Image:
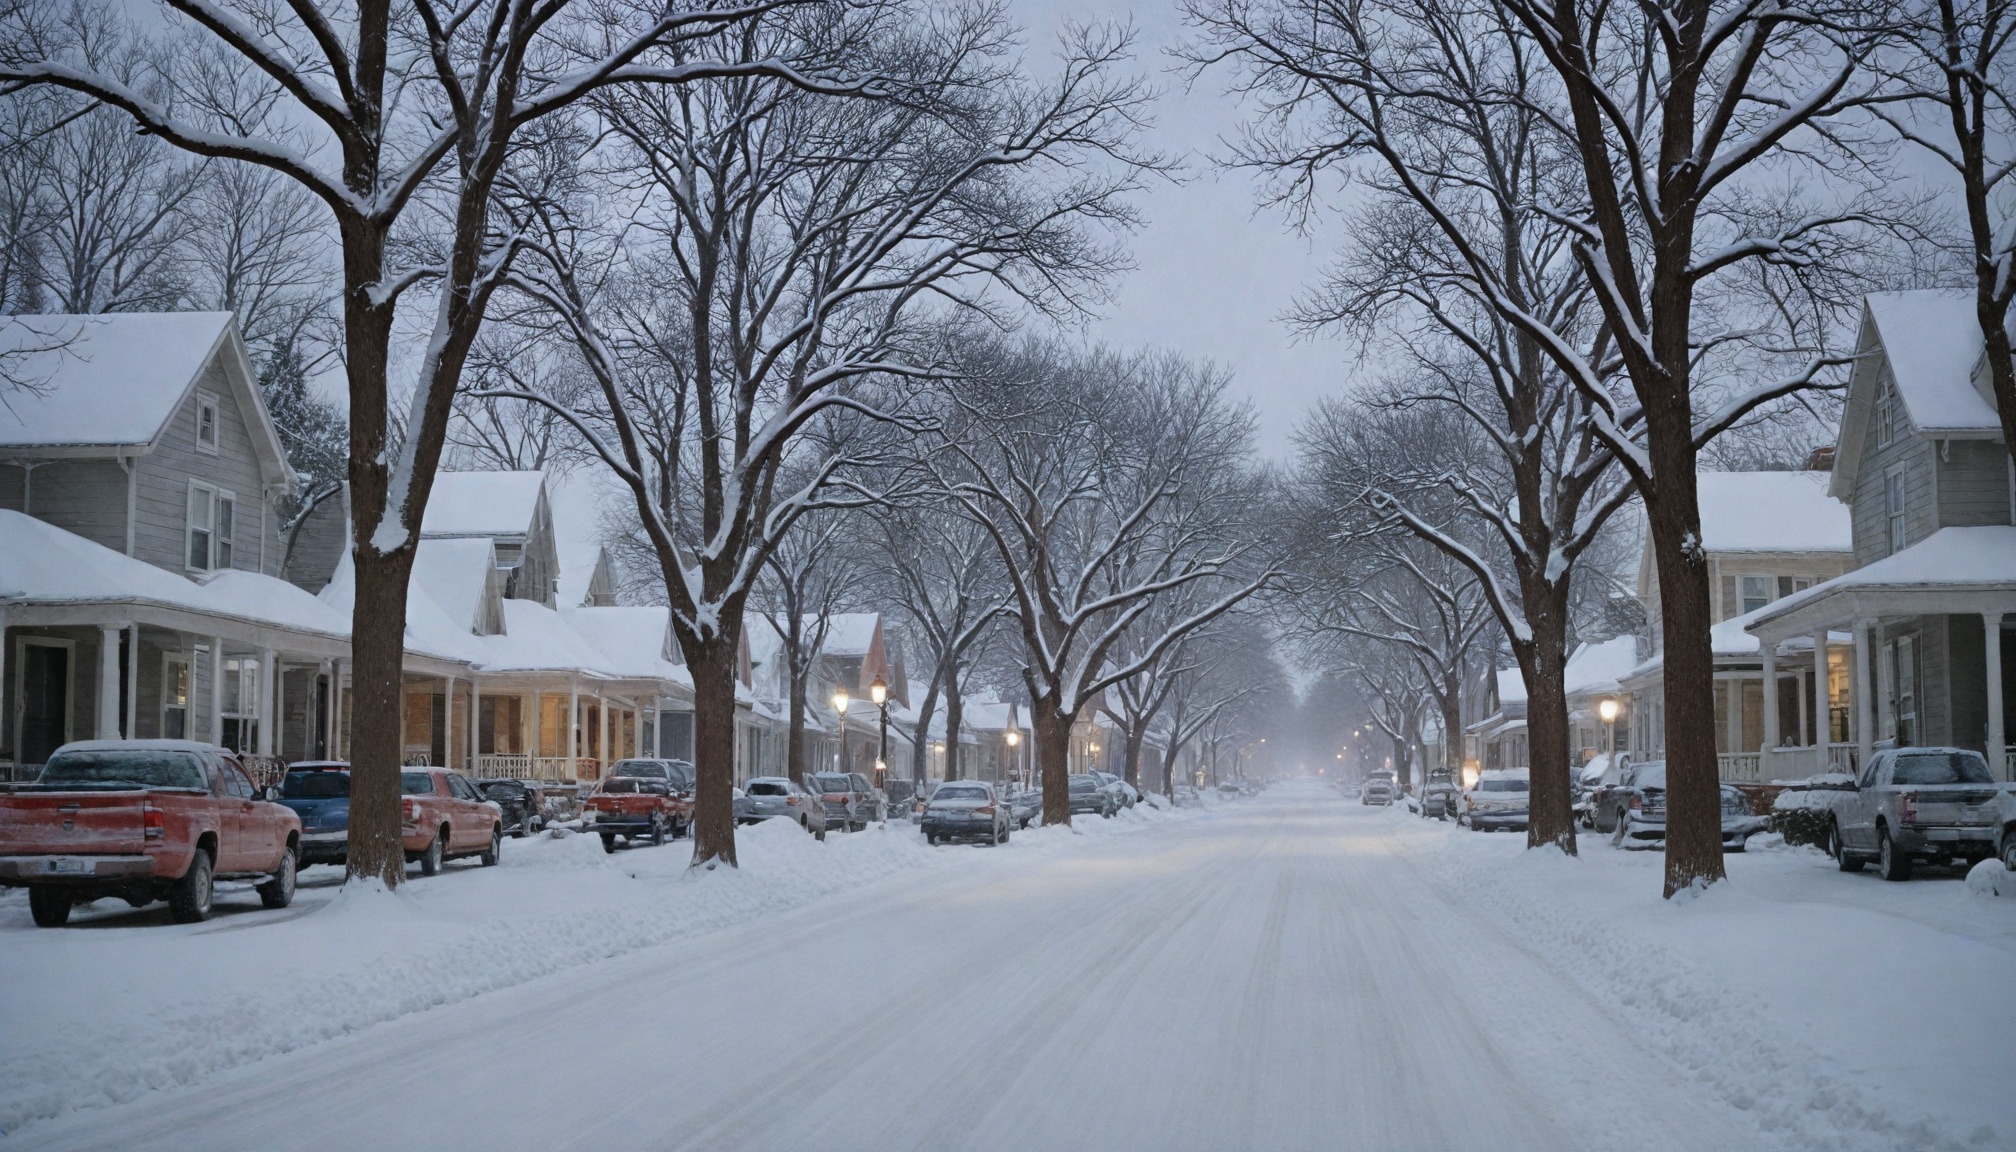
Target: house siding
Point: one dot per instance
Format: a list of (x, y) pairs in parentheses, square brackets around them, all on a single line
[(1916, 456), (318, 546), (1973, 483), (162, 502), (87, 497)]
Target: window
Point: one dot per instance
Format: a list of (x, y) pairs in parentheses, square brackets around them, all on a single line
[(175, 697), (1893, 509), (1756, 592), (212, 527), (1906, 681), (206, 422), (1787, 585), (241, 703)]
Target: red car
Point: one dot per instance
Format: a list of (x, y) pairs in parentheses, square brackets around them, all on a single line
[(443, 817), (144, 820), (642, 800)]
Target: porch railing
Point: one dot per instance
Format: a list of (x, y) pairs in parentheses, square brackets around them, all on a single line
[(1739, 767), (532, 767)]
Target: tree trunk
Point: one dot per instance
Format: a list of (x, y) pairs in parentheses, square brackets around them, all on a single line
[(1550, 812), (712, 663), (795, 754), (920, 743), (1053, 757), (955, 709), (1136, 735), (1452, 727), (377, 713), (1693, 786)]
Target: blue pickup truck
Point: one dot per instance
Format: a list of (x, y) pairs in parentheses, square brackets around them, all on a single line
[(319, 792)]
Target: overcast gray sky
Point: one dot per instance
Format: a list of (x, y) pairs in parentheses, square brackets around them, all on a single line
[(1214, 273)]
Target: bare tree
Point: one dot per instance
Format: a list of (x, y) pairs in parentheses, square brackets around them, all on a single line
[(805, 582), (402, 120), (778, 259), (1106, 484)]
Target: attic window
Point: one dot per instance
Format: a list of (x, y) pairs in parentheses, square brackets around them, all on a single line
[(206, 422), (1886, 412)]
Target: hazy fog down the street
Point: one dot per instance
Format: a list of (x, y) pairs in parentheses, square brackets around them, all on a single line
[(1271, 976)]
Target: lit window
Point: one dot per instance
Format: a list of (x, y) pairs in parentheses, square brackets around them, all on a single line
[(206, 422)]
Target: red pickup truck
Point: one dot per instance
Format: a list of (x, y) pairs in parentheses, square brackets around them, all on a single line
[(143, 820), (642, 800)]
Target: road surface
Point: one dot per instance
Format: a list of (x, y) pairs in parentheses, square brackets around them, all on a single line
[(1271, 976)]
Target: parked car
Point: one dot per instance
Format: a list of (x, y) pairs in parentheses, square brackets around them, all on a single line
[(898, 796), (633, 809), (1377, 790), (967, 810), (444, 818), (1500, 799), (1439, 795), (2005, 840), (1643, 823), (523, 802), (850, 800), (780, 797), (678, 776), (143, 820), (1025, 803), (1610, 796), (1124, 795), (1229, 788), (319, 793), (1087, 795), (1914, 805)]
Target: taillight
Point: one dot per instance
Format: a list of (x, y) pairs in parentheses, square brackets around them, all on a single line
[(1637, 803), (987, 810), (411, 811), (792, 800), (154, 821), (1908, 809)]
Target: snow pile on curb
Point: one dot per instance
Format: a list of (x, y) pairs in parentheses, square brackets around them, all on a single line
[(1990, 878), (1825, 1014), (100, 1013)]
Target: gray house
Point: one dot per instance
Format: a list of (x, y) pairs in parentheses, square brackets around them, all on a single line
[(1921, 463), (142, 438)]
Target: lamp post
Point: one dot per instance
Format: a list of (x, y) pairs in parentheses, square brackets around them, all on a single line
[(878, 693), (1608, 711), (840, 706), (1012, 738)]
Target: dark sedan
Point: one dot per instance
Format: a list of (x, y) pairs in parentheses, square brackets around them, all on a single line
[(319, 793), (1088, 795), (967, 810)]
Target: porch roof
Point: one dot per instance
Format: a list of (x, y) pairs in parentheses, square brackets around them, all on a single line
[(1954, 570)]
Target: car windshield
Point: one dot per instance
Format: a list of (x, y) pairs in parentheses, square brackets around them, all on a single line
[(1084, 784), (767, 788), (1653, 776), (416, 783), (504, 791), (151, 768), (1501, 784), (648, 769), (831, 783), (315, 785), (1941, 768), (682, 775), (959, 792)]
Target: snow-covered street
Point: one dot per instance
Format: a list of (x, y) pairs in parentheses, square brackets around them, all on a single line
[(1292, 971)]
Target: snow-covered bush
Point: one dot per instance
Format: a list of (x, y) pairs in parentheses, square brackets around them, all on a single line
[(1803, 811)]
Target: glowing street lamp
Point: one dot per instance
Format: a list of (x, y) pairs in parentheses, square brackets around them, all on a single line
[(1608, 710), (840, 707), (878, 694)]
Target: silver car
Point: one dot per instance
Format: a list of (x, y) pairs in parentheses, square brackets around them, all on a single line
[(1641, 821), (1911, 804), (780, 797), (967, 810), (1501, 798)]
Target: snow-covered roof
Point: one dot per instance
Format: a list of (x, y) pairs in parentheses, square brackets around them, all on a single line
[(1933, 340), (987, 715), (632, 642), (430, 630), (1978, 559), (1598, 667), (850, 633), (44, 564), (482, 503), (1772, 512), (454, 576)]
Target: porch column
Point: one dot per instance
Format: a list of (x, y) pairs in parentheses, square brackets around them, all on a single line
[(132, 682), (637, 728), (269, 699), (1821, 696), (336, 703), (1998, 762), (448, 724), (475, 724), (324, 675), (1769, 649), (108, 681), (538, 749), (1734, 688), (573, 727), (216, 689), (1864, 689), (6, 715), (602, 749)]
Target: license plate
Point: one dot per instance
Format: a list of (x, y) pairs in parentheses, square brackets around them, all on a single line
[(67, 866), (1943, 833)]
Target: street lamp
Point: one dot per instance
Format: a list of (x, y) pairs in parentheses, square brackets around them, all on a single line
[(1608, 711), (878, 693), (1012, 738), (840, 706)]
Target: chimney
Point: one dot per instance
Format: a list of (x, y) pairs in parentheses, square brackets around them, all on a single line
[(1821, 459)]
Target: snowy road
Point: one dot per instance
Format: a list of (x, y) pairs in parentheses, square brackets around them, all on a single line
[(1272, 977)]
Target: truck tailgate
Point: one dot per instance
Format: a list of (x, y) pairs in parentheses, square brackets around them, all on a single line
[(79, 823), (1955, 805)]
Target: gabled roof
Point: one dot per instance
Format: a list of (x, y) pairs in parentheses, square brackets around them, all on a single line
[(483, 503), (1598, 667), (850, 633), (106, 383), (1932, 343), (1772, 512), (634, 642)]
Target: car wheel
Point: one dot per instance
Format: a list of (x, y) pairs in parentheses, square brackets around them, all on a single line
[(489, 857), (2009, 849), (50, 905), (523, 830), (437, 849), (279, 891), (1838, 849), (609, 842), (189, 900), (657, 833), (1620, 831), (1006, 833), (1891, 864)]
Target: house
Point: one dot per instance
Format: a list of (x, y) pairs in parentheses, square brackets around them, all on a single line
[(1767, 536), (138, 561), (1921, 464)]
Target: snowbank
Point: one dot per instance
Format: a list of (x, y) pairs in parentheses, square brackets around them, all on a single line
[(1990, 878), (124, 1002)]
